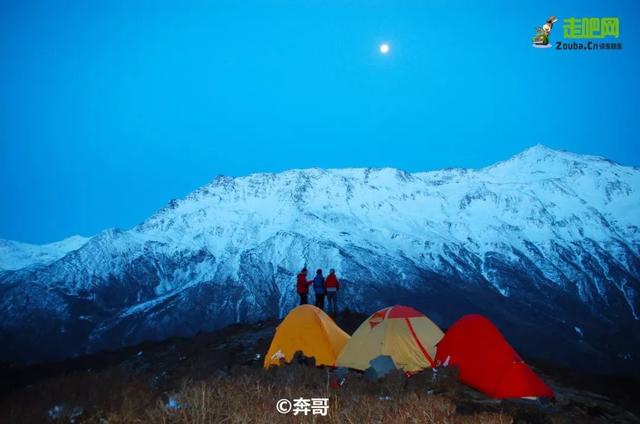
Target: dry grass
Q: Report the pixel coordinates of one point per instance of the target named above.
(248, 396)
(251, 396)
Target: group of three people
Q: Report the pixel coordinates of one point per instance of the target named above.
(321, 287)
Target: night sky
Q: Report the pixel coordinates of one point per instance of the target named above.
(110, 109)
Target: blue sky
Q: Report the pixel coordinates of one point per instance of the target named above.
(110, 109)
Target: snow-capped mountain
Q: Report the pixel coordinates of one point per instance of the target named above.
(546, 244)
(15, 255)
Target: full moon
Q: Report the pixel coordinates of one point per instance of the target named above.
(384, 48)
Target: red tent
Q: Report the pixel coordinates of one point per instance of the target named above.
(487, 362)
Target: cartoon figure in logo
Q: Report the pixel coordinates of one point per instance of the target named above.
(541, 39)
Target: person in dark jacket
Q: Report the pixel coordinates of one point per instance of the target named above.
(318, 288)
(302, 287)
(332, 285)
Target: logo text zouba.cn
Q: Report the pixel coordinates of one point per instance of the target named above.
(592, 29)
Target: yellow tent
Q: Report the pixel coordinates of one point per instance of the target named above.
(402, 333)
(309, 330)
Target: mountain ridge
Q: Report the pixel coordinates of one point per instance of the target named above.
(550, 234)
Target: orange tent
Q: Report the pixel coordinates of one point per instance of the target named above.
(401, 332)
(309, 330)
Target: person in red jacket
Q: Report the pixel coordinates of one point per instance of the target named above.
(332, 286)
(302, 286)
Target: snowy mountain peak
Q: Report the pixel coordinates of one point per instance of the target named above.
(539, 150)
(16, 255)
(541, 162)
(529, 192)
(544, 237)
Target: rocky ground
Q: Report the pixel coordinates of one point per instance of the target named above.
(217, 377)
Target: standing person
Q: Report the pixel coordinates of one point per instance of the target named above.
(333, 285)
(302, 286)
(318, 288)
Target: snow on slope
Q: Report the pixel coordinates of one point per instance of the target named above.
(15, 255)
(535, 189)
(540, 196)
